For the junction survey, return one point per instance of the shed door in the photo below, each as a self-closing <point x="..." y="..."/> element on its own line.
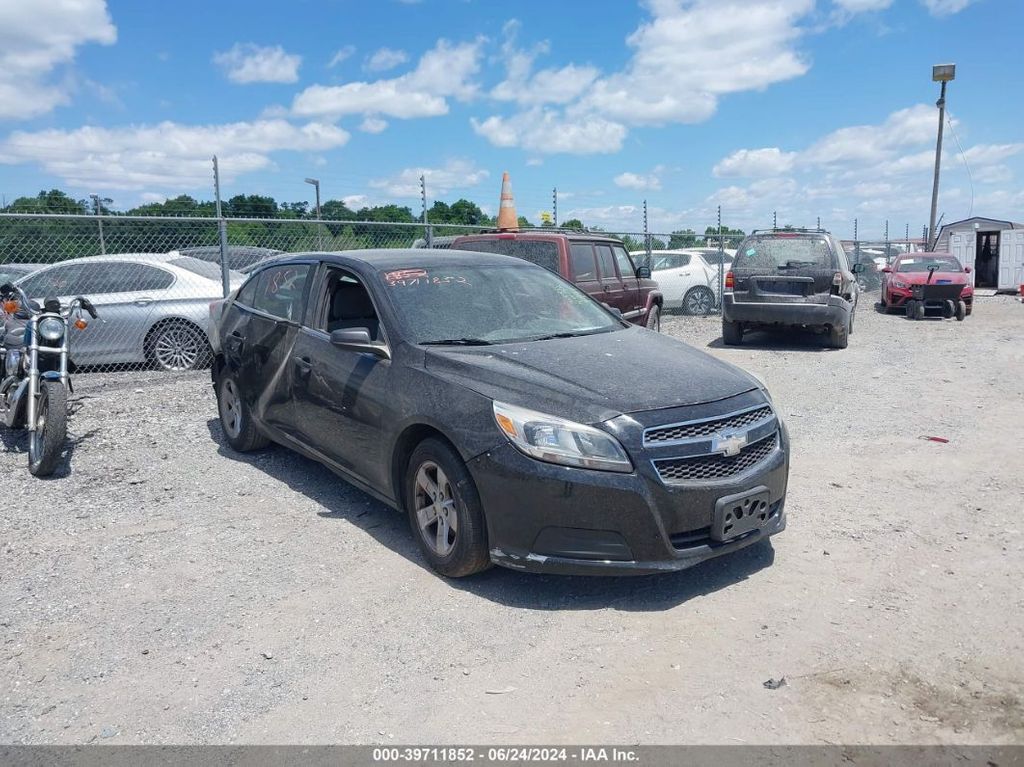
<point x="961" y="245"/>
<point x="1011" y="259"/>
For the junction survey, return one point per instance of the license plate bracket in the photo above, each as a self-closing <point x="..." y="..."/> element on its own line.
<point x="738" y="514"/>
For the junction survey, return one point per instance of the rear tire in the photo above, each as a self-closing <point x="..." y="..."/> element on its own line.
<point x="961" y="311"/>
<point x="911" y="309"/>
<point x="919" y="310"/>
<point x="235" y="420"/>
<point x="839" y="336"/>
<point x="176" y="345"/>
<point x="732" y="333"/>
<point x="445" y="512"/>
<point x="654" y="319"/>
<point x="47" y="441"/>
<point x="699" y="301"/>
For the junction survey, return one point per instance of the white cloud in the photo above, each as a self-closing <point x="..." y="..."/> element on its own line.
<point x="342" y="54"/>
<point x="549" y="132"/>
<point x="640" y="181"/>
<point x="686" y="56"/>
<point x="373" y="125"/>
<point x="385" y="58"/>
<point x="444" y="71"/>
<point x="39" y="37"/>
<point x="169" y="155"/>
<point x="865" y="143"/>
<point x="456" y="174"/>
<point x="355" y="201"/>
<point x="945" y="7"/>
<point x="245" y="63"/>
<point x="862" y="6"/>
<point x="755" y="162"/>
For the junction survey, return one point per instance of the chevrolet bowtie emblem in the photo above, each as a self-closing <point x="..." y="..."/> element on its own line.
<point x="728" y="444"/>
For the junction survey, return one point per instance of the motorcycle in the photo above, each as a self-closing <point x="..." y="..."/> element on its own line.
<point x="34" y="381"/>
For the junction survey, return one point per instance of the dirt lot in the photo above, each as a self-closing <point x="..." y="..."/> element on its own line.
<point x="168" y="590"/>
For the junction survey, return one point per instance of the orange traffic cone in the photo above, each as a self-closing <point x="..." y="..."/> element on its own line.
<point x="507" y="218"/>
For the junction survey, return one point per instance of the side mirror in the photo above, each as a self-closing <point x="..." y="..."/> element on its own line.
<point x="967" y="270"/>
<point x="643" y="272"/>
<point x="613" y="309"/>
<point x="887" y="269"/>
<point x="358" y="340"/>
<point x="858" y="268"/>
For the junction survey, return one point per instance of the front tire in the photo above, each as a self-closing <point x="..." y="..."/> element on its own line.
<point x="654" y="319"/>
<point x="445" y="512"/>
<point x="47" y="441"/>
<point x="961" y="311"/>
<point x="732" y="333"/>
<point x="235" y="420"/>
<point x="698" y="301"/>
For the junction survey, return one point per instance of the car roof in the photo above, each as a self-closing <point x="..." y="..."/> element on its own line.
<point x="542" y="232"/>
<point x="395" y="258"/>
<point x="141" y="257"/>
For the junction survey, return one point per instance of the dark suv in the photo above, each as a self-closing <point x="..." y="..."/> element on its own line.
<point x="597" y="264"/>
<point x="798" y="278"/>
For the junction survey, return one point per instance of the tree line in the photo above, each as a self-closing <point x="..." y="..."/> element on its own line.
<point x="37" y="240"/>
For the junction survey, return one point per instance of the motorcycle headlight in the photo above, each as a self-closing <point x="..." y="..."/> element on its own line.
<point x="556" y="440"/>
<point x="50" y="329"/>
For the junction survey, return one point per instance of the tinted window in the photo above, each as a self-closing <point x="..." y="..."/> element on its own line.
<point x="279" y="291"/>
<point x="541" y="252"/>
<point x="671" y="261"/>
<point x="784" y="251"/>
<point x="626" y="268"/>
<point x="605" y="261"/>
<point x="59" y="281"/>
<point x="205" y="269"/>
<point x="582" y="254"/>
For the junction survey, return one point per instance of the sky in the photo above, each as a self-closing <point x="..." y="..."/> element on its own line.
<point x="804" y="109"/>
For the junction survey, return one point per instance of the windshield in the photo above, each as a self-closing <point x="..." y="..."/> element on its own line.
<point x="924" y="263"/>
<point x="207" y="269"/>
<point x="784" y="252"/>
<point x="540" y="252"/>
<point x="479" y="305"/>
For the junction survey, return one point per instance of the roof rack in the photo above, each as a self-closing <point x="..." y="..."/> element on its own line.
<point x="800" y="229"/>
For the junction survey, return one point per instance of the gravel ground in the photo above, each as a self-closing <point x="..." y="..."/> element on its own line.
<point x="167" y="590"/>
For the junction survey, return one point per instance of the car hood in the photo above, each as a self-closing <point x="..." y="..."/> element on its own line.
<point x="593" y="378"/>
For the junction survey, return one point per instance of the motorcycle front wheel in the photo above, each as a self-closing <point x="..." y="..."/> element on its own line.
<point x="47" y="441"/>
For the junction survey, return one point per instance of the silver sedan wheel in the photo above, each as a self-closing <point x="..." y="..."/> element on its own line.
<point x="230" y="409"/>
<point x="177" y="347"/>
<point x="699" y="301"/>
<point x="435" y="509"/>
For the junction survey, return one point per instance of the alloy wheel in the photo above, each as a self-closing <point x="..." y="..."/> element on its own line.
<point x="436" y="514"/>
<point x="230" y="409"/>
<point x="177" y="348"/>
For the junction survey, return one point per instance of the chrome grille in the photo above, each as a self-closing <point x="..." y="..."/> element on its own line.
<point x="715" y="466"/>
<point x="697" y="429"/>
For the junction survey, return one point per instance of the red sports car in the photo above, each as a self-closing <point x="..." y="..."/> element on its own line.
<point x="910" y="269"/>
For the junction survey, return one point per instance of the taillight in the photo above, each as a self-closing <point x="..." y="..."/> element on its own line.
<point x="730" y="281"/>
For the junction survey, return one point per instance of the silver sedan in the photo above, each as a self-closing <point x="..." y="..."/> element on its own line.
<point x="154" y="307"/>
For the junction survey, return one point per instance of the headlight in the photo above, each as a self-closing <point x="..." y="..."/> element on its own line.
<point x="50" y="329"/>
<point x="900" y="284"/>
<point x="555" y="440"/>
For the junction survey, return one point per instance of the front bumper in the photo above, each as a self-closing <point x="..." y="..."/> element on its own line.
<point x="834" y="311"/>
<point x="898" y="298"/>
<point x="553" y="519"/>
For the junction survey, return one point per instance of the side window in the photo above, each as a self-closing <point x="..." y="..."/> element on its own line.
<point x="61" y="281"/>
<point x="582" y="256"/>
<point x="626" y="267"/>
<point x="280" y="291"/>
<point x="248" y="291"/>
<point x="344" y="304"/>
<point x="844" y="262"/>
<point x="605" y="261"/>
<point x="123" y="277"/>
<point x="681" y="260"/>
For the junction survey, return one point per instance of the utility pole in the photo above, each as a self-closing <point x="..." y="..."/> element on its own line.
<point x="554" y="205"/>
<point x="423" y="201"/>
<point x="99" y="221"/>
<point x="316" y="183"/>
<point x="775" y="219"/>
<point x="941" y="73"/>
<point x="856" y="240"/>
<point x="222" y="226"/>
<point x="647" y="238"/>
<point x="721" y="263"/>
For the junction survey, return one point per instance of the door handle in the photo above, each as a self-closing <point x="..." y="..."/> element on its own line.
<point x="143" y="301"/>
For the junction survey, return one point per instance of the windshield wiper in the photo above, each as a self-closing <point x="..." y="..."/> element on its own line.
<point x="458" y="342"/>
<point x="797" y="264"/>
<point x="567" y="334"/>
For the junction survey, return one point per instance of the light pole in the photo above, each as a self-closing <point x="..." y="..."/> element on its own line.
<point x="941" y="73"/>
<point x="99" y="221"/>
<point x="316" y="184"/>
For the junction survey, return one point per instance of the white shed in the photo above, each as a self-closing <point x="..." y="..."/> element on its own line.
<point x="993" y="248"/>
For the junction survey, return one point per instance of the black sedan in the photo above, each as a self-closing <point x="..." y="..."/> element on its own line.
<point x="513" y="418"/>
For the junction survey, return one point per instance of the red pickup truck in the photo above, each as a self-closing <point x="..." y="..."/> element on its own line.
<point x="597" y="264"/>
